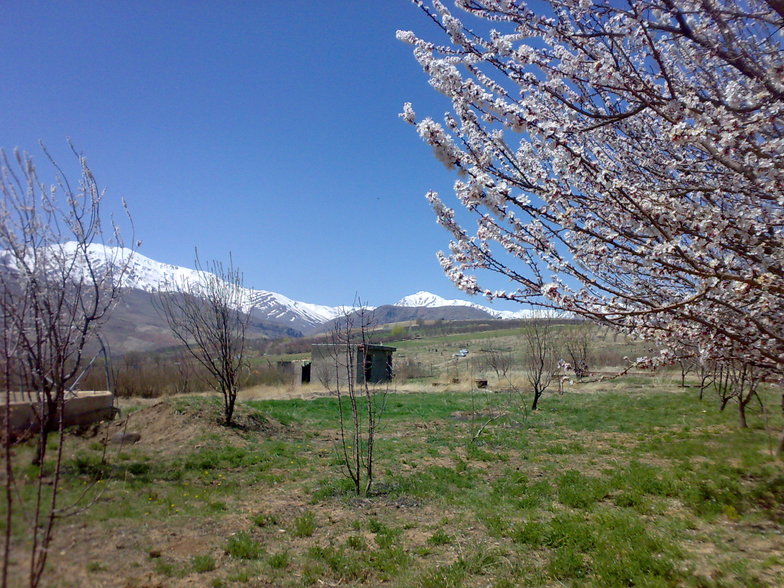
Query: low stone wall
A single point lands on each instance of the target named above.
(81, 408)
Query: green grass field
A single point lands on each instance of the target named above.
(628, 483)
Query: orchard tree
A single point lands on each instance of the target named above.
(62, 267)
(577, 343)
(542, 347)
(210, 317)
(360, 402)
(623, 161)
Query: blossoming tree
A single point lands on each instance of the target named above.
(623, 161)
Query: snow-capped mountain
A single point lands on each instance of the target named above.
(272, 311)
(149, 275)
(428, 300)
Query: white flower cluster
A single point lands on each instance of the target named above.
(634, 147)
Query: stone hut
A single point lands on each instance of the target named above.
(369, 363)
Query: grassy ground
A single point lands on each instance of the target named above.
(632, 482)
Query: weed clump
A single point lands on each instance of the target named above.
(279, 561)
(305, 525)
(242, 546)
(203, 563)
(440, 537)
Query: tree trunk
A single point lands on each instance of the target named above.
(742, 413)
(40, 450)
(46, 422)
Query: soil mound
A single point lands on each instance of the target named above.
(172, 425)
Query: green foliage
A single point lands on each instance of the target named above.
(168, 568)
(242, 546)
(613, 546)
(89, 465)
(511, 484)
(331, 488)
(356, 542)
(397, 330)
(279, 561)
(203, 563)
(532, 533)
(439, 481)
(479, 562)
(138, 468)
(440, 537)
(304, 525)
(222, 458)
(386, 536)
(344, 567)
(568, 563)
(242, 575)
(579, 491)
(360, 565)
(573, 495)
(264, 520)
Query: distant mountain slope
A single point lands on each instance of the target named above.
(150, 276)
(136, 325)
(147, 275)
(389, 313)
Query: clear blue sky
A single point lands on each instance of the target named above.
(267, 128)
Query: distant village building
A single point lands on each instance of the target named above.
(372, 364)
(294, 372)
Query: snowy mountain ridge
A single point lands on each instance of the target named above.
(149, 275)
(424, 299)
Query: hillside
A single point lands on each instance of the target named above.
(136, 325)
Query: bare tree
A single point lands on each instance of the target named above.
(687, 360)
(359, 399)
(210, 317)
(541, 354)
(500, 362)
(706, 371)
(737, 381)
(183, 362)
(60, 277)
(9, 342)
(577, 341)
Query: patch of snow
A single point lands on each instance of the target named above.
(430, 300)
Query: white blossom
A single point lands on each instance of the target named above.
(614, 144)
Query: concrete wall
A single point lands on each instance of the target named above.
(323, 368)
(81, 408)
